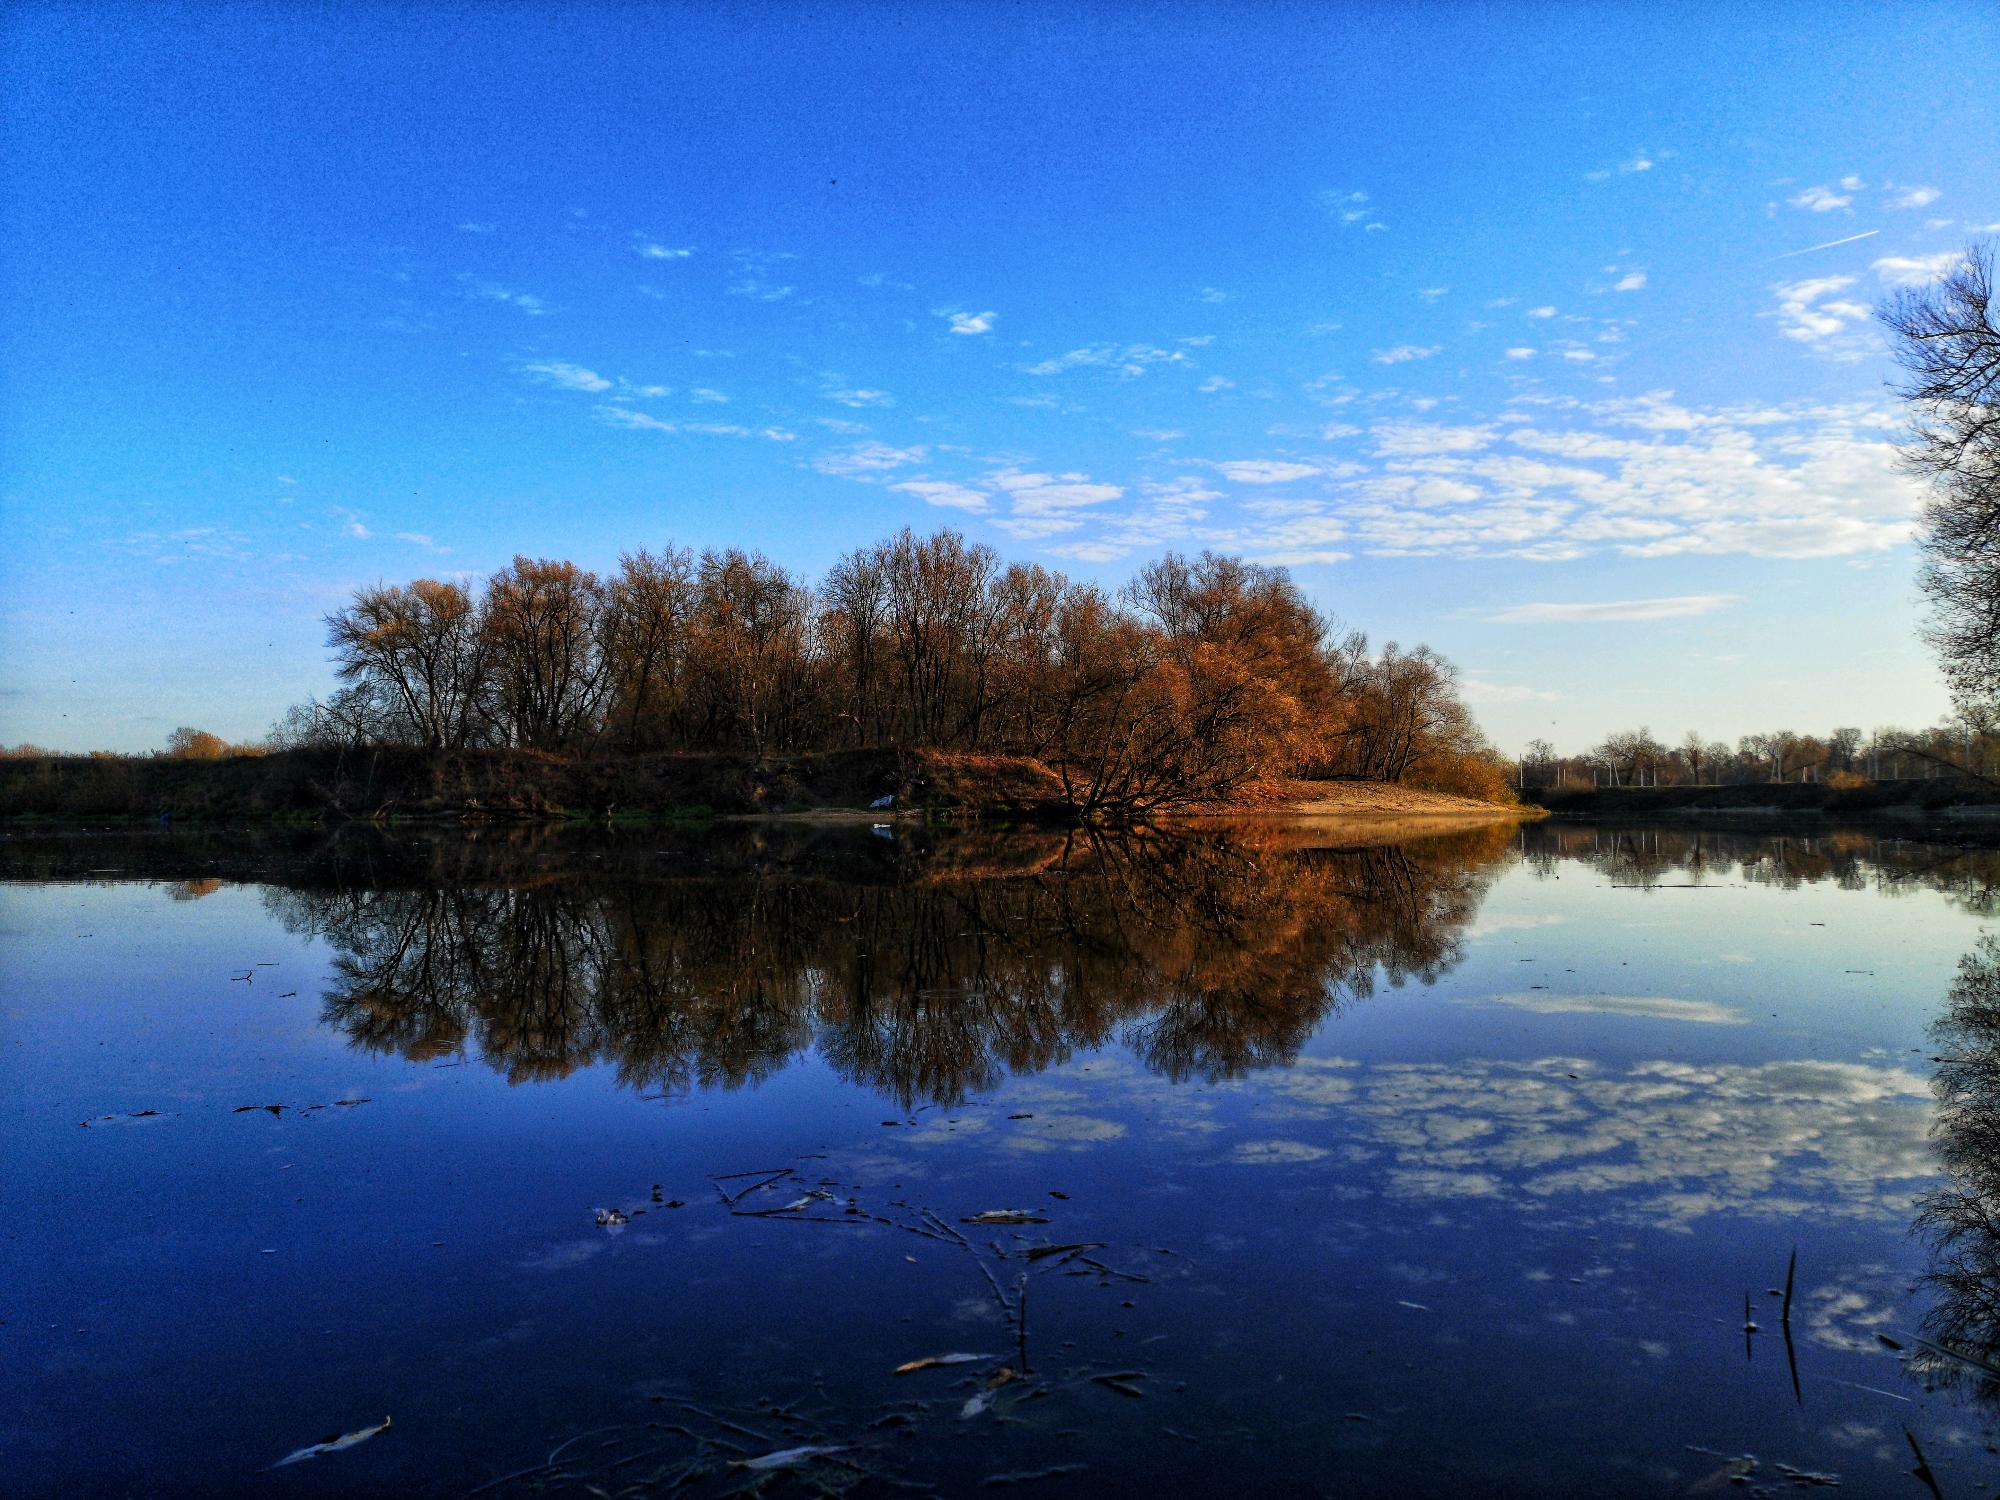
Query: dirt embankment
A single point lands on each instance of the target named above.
(497, 785)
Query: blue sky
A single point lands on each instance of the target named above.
(1537, 333)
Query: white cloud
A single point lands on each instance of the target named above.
(1046, 494)
(860, 397)
(1414, 439)
(1216, 383)
(1647, 1007)
(1130, 359)
(1810, 312)
(1433, 293)
(759, 290)
(703, 393)
(867, 458)
(1349, 209)
(942, 492)
(1677, 607)
(1821, 200)
(1915, 197)
(624, 416)
(1264, 471)
(1539, 312)
(1520, 351)
(569, 376)
(1631, 281)
(492, 291)
(653, 251)
(1213, 294)
(968, 323)
(1404, 353)
(1915, 270)
(1642, 162)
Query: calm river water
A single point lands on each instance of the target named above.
(1276, 1161)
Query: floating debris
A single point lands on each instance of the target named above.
(1005, 1216)
(1121, 1382)
(784, 1458)
(611, 1218)
(331, 1445)
(932, 1361)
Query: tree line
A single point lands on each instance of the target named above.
(1961, 747)
(1197, 676)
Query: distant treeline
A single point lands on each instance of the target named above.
(1963, 749)
(1199, 675)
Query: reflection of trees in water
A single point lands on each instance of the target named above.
(1960, 1220)
(1847, 859)
(1207, 956)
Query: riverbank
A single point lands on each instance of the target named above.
(484, 786)
(1887, 800)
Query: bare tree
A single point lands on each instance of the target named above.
(1949, 347)
(421, 648)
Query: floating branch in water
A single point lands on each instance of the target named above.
(331, 1445)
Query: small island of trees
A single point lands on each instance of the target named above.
(1199, 676)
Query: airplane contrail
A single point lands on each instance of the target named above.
(1828, 245)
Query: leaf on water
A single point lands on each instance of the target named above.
(979, 1403)
(931, 1361)
(331, 1445)
(1887, 1342)
(1005, 1216)
(784, 1458)
(1121, 1382)
(1000, 1377)
(1042, 1252)
(274, 1110)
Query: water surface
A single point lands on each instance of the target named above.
(1430, 1167)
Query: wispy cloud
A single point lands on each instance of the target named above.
(1642, 161)
(859, 397)
(943, 492)
(492, 291)
(1127, 359)
(1811, 312)
(1915, 197)
(1679, 606)
(1478, 690)
(1915, 270)
(867, 458)
(569, 376)
(1264, 471)
(1631, 281)
(1644, 1007)
(967, 322)
(1350, 209)
(1824, 200)
(1402, 354)
(652, 250)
